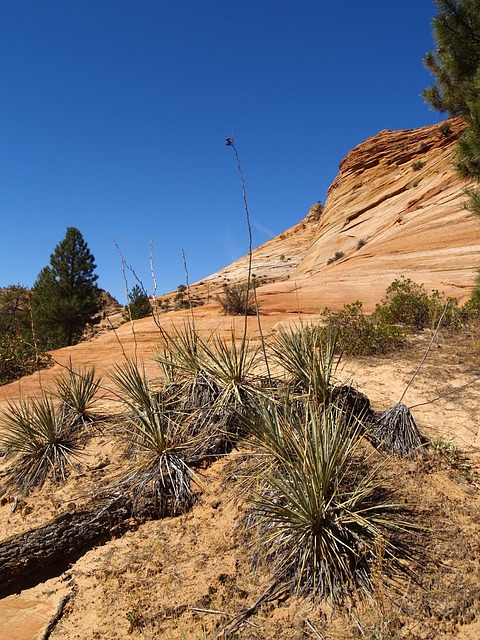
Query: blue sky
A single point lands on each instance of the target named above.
(114, 115)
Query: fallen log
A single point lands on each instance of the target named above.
(41, 553)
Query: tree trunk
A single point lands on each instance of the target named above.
(47, 551)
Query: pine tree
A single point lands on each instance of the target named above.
(65, 297)
(456, 67)
(456, 62)
(139, 304)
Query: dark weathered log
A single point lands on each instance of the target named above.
(63, 540)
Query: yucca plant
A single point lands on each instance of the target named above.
(229, 363)
(159, 445)
(160, 475)
(213, 379)
(76, 389)
(315, 506)
(309, 356)
(133, 382)
(43, 439)
(180, 353)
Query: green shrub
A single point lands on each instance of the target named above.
(408, 303)
(474, 302)
(18, 355)
(360, 335)
(417, 165)
(19, 358)
(237, 300)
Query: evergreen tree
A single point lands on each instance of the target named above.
(456, 67)
(65, 297)
(456, 62)
(139, 304)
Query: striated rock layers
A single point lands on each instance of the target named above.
(395, 208)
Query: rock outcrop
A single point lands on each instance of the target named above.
(396, 207)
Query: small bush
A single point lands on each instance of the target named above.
(408, 303)
(360, 335)
(236, 300)
(361, 243)
(19, 358)
(337, 256)
(445, 129)
(417, 165)
(474, 301)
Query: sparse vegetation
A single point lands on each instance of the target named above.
(417, 165)
(337, 256)
(323, 519)
(237, 300)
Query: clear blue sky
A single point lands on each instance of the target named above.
(114, 115)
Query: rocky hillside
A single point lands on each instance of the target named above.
(395, 208)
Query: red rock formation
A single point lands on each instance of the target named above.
(395, 208)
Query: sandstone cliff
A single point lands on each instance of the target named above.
(395, 208)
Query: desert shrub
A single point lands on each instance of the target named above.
(453, 456)
(360, 335)
(18, 355)
(408, 303)
(18, 358)
(361, 243)
(474, 302)
(417, 165)
(237, 300)
(445, 129)
(43, 439)
(337, 256)
(316, 510)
